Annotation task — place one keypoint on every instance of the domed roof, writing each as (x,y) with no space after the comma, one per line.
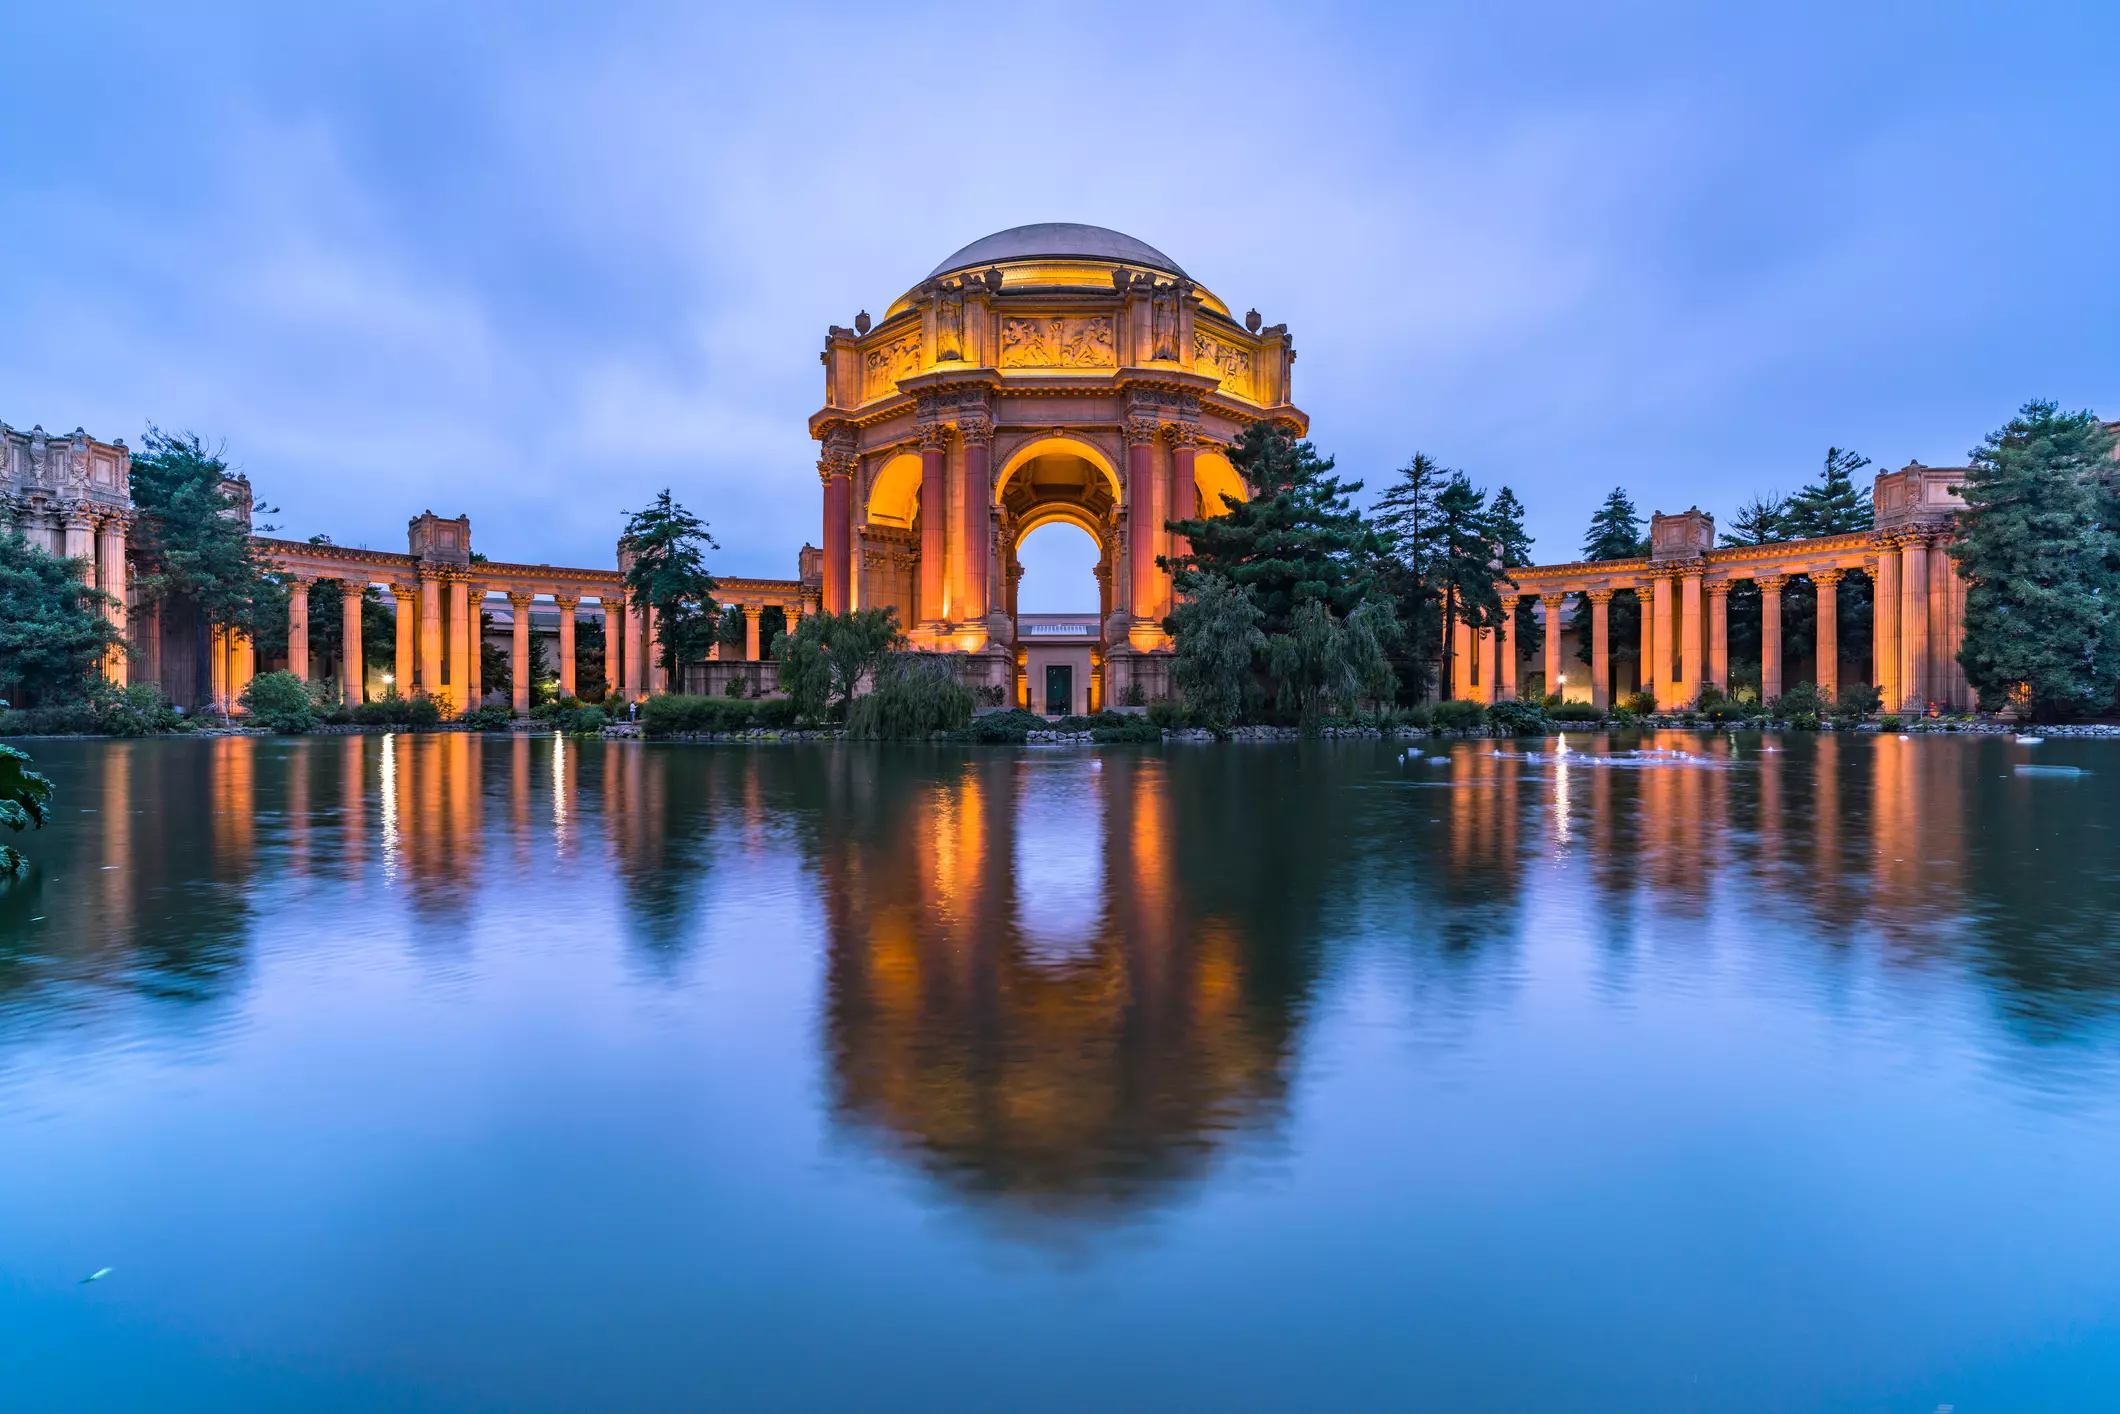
(1058,240)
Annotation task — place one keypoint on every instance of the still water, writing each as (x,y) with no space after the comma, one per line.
(459,1073)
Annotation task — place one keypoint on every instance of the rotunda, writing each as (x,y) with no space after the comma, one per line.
(1046,372)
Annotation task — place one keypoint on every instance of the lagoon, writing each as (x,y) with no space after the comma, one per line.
(447,1072)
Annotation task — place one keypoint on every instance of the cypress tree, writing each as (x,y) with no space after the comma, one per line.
(2040,546)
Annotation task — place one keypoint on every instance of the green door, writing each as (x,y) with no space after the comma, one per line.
(1059,689)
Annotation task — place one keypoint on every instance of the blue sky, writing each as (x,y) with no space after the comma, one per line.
(534,263)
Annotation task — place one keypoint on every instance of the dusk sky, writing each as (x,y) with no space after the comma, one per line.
(534,264)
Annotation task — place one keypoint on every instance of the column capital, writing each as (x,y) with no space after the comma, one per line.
(1718,589)
(1142,430)
(1183,435)
(405,593)
(1510,601)
(934,436)
(1770,583)
(752,611)
(1600,596)
(1694,569)
(1553,602)
(301,581)
(1827,576)
(977,429)
(521,598)
(566,602)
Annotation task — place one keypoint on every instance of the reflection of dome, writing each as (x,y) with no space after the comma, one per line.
(1057,240)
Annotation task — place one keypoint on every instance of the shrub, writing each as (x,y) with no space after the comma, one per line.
(736,687)
(1119,727)
(1458,715)
(1640,704)
(25,801)
(1575,712)
(777,713)
(990,694)
(487,719)
(1002,728)
(1075,724)
(424,710)
(1420,716)
(585,720)
(1858,700)
(668,713)
(1802,705)
(1890,722)
(1165,715)
(1518,718)
(281,701)
(916,695)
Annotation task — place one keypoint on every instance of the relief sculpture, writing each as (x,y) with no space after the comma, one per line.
(1231,365)
(1058,343)
(885,366)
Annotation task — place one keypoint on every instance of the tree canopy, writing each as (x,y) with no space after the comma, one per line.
(53,636)
(191,537)
(668,573)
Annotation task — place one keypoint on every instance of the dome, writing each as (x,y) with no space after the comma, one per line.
(1061,240)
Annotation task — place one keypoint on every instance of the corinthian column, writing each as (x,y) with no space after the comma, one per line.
(431,590)
(568,603)
(1505,685)
(1600,647)
(1770,586)
(836,468)
(1914,624)
(934,521)
(298,626)
(1690,661)
(1828,670)
(1553,603)
(408,620)
(519,652)
(475,659)
(1141,433)
(110,578)
(1185,494)
(1885,634)
(353,667)
(1645,669)
(976,531)
(1666,690)
(753,651)
(1719,635)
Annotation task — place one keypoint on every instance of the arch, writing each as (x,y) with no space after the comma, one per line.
(895,490)
(1215,478)
(1058,558)
(1044,515)
(1056,445)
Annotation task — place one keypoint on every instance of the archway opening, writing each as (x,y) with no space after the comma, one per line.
(1059,560)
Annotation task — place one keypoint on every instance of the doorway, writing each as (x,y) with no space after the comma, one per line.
(1059,689)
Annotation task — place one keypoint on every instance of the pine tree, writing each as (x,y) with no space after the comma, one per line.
(53,635)
(1513,544)
(1297,537)
(189,544)
(2040,547)
(1465,571)
(668,573)
(1763,520)
(1406,521)
(1615,533)
(1832,505)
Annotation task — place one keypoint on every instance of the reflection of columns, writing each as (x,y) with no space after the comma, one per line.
(1141,519)
(110,578)
(1885,633)
(353,666)
(1690,657)
(836,466)
(1665,689)
(298,626)
(475,660)
(567,605)
(1828,669)
(430,635)
(934,519)
(1914,624)
(977,535)
(1719,634)
(1553,603)
(519,652)
(408,617)
(1600,647)
(1770,635)
(459,639)
(752,613)
(1505,687)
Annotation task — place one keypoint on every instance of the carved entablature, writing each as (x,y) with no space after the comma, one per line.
(1223,360)
(1058,341)
(1918,497)
(1685,536)
(436,541)
(883,367)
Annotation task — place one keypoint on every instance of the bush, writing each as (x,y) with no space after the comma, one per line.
(776,713)
(1168,716)
(1518,718)
(281,701)
(1858,700)
(1458,715)
(736,687)
(1003,728)
(669,713)
(1802,705)
(916,695)
(585,720)
(424,710)
(1890,722)
(1575,712)
(487,719)
(1640,704)
(1120,727)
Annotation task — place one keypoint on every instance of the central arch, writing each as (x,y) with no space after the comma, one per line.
(1059,445)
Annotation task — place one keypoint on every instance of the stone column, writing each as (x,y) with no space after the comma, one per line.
(1827,583)
(475,659)
(1691,661)
(1461,684)
(298,626)
(110,578)
(1185,496)
(752,648)
(1719,634)
(459,638)
(519,652)
(976,531)
(431,589)
(656,673)
(1770,587)
(1554,603)
(353,671)
(242,664)
(79,543)
(1943,652)
(836,467)
(1505,686)
(408,619)
(1885,634)
(1486,651)
(1141,435)
(636,660)
(1914,624)
(568,603)
(611,632)
(1665,688)
(217,668)
(1645,668)
(1600,648)
(934,520)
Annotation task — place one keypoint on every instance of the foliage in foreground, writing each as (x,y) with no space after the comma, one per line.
(824,661)
(281,701)
(25,801)
(916,695)
(671,714)
(53,636)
